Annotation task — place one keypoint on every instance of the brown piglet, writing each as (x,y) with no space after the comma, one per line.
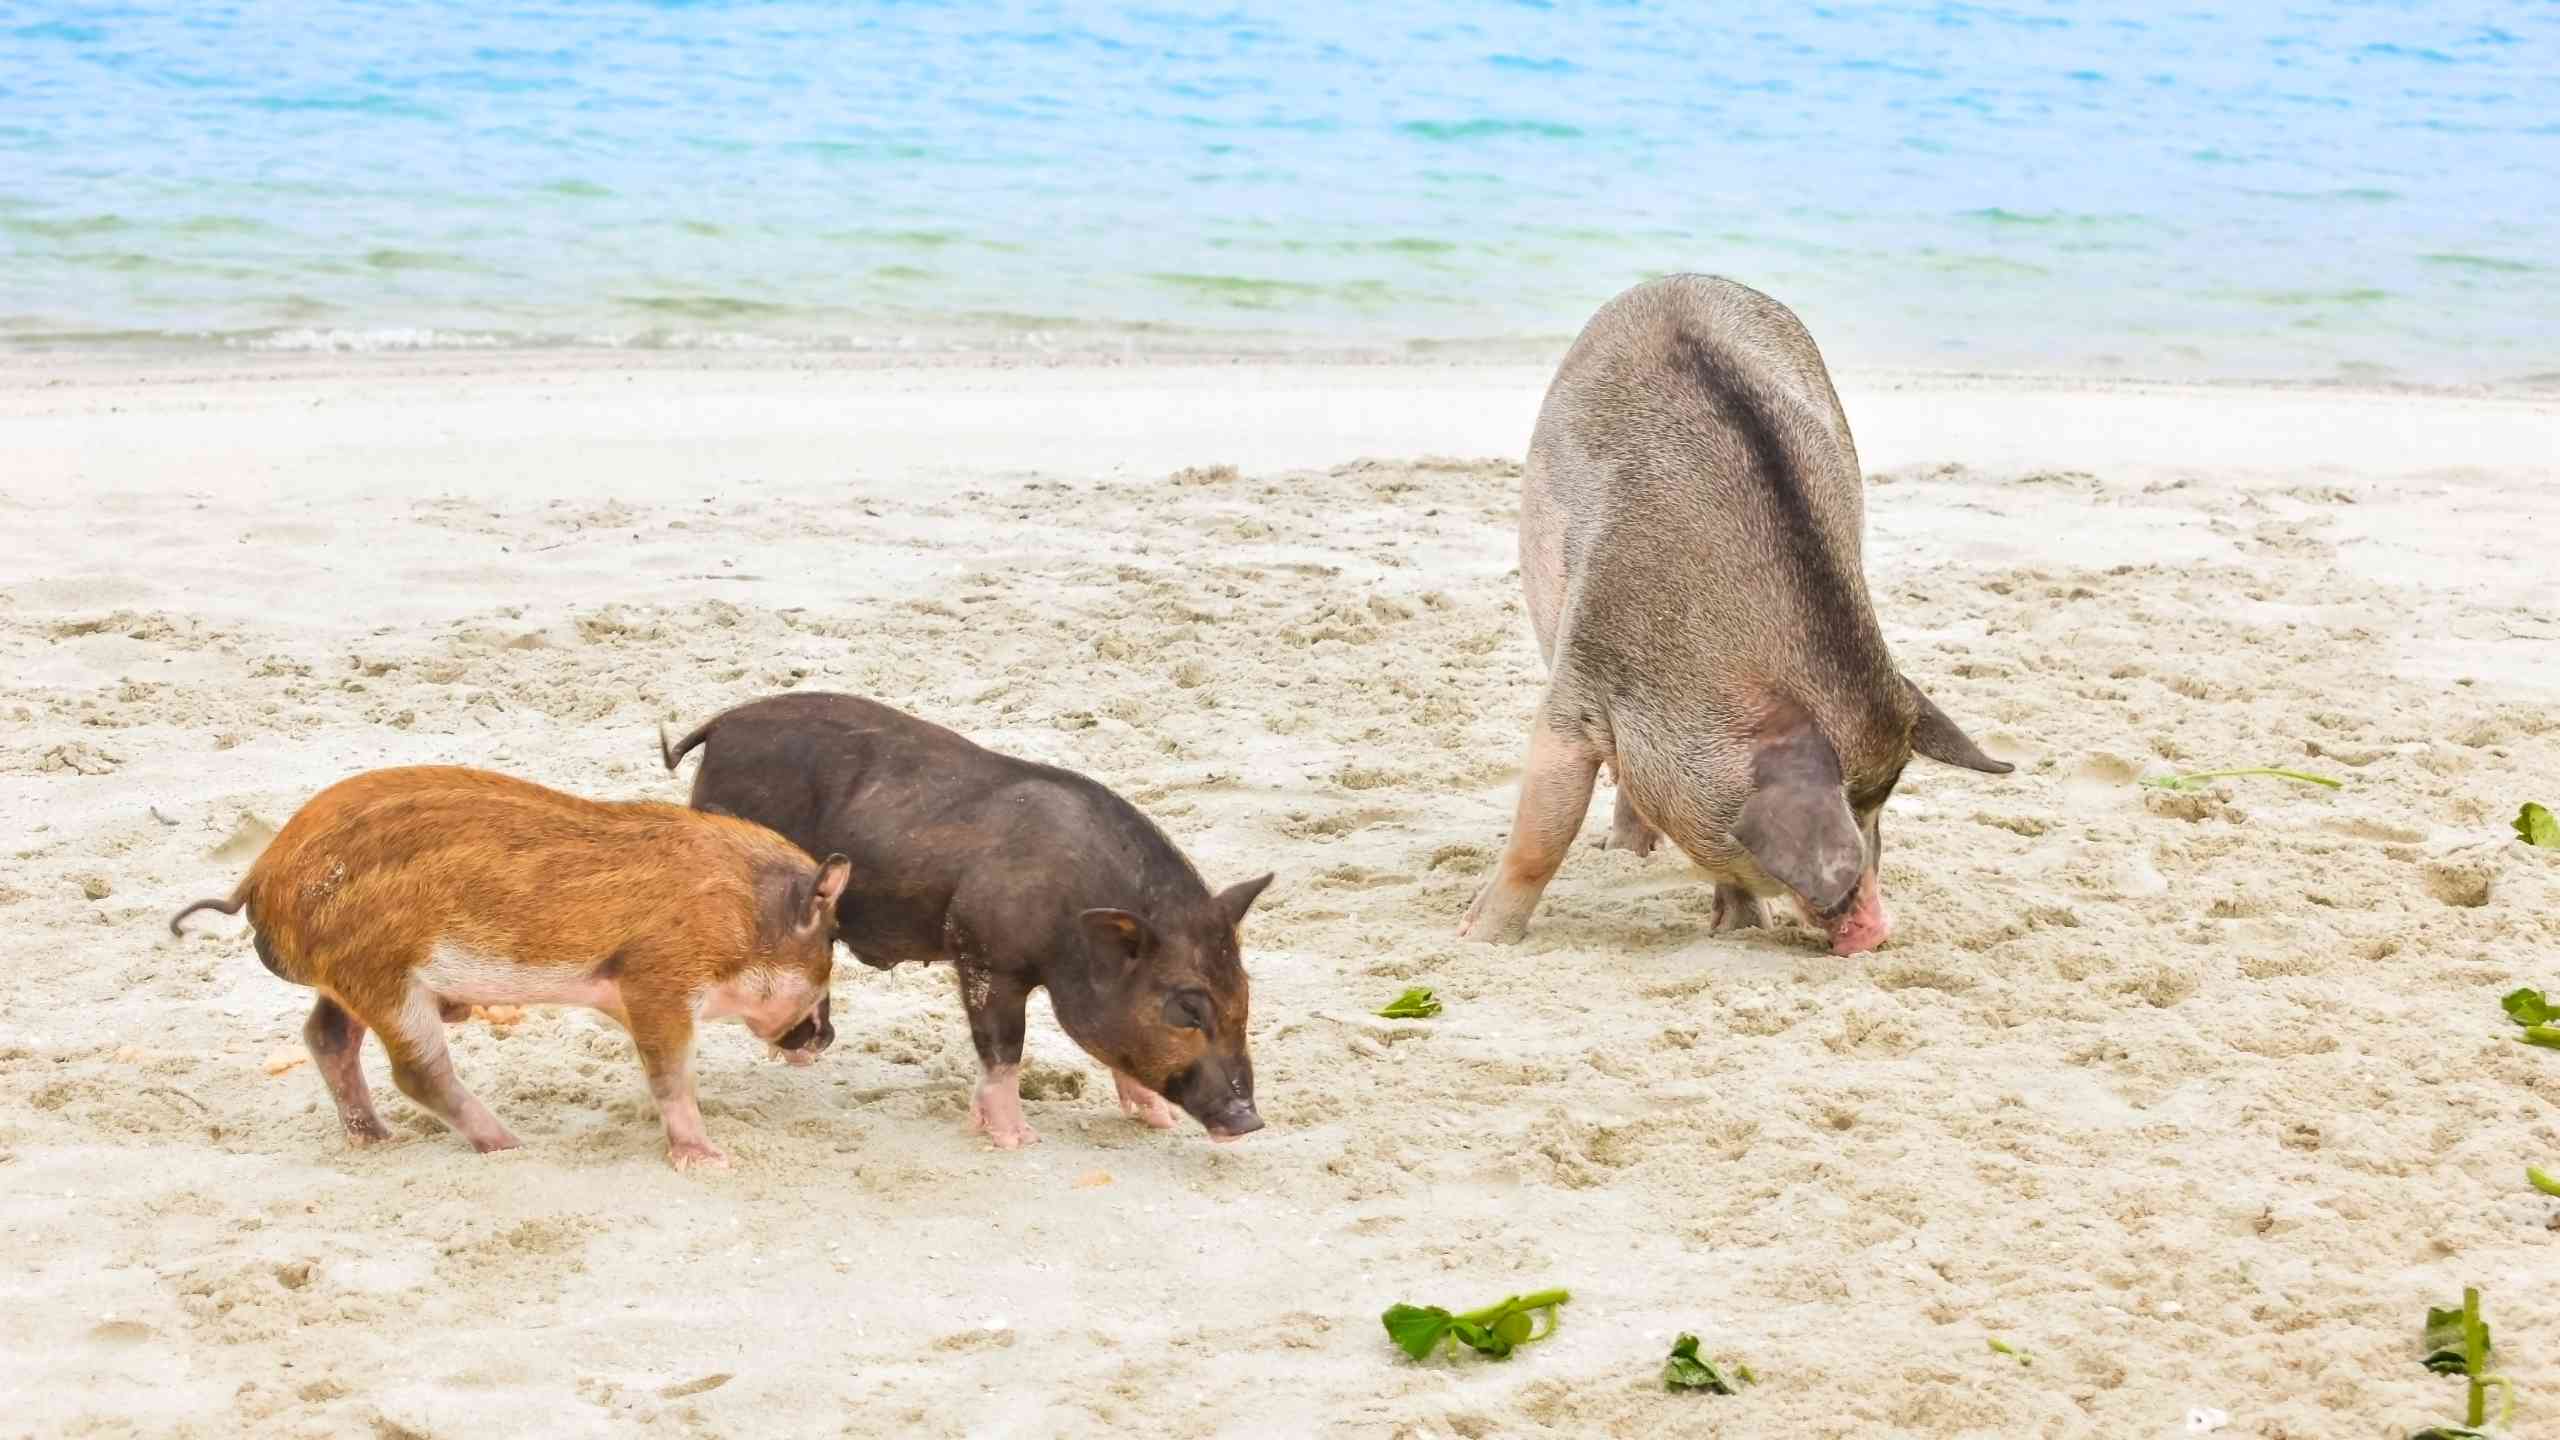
(407,896)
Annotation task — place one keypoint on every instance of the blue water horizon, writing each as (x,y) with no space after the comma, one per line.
(2327,190)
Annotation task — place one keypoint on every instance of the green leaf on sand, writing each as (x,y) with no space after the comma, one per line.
(2444,1342)
(1688,1370)
(2537,826)
(2199,779)
(2527,1007)
(2542,1180)
(1416,1327)
(1495,1330)
(1417,1003)
(2457,1343)
(2546,1036)
(2003,1347)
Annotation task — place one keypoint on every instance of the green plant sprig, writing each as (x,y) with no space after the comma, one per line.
(1495,1330)
(1417,1003)
(2198,779)
(2536,826)
(1688,1370)
(2525,1006)
(2457,1343)
(2539,1017)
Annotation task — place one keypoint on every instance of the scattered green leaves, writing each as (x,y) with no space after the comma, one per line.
(2546,1036)
(2003,1347)
(2199,779)
(1495,1330)
(2457,1343)
(2526,1006)
(1417,1003)
(1688,1370)
(2536,825)
(2542,1180)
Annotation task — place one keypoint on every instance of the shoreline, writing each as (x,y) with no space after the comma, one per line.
(561,424)
(24,366)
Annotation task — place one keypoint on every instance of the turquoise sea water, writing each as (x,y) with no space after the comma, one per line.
(2299,189)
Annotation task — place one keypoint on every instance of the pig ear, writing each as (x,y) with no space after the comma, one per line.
(1797,823)
(1118,941)
(1239,897)
(1942,740)
(833,876)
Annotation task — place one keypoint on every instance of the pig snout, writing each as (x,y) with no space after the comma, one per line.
(1233,1123)
(1222,1101)
(1864,923)
(806,1041)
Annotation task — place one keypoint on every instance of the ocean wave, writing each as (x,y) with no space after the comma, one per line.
(396,339)
(71,227)
(1489,129)
(1248,292)
(2494,263)
(369,342)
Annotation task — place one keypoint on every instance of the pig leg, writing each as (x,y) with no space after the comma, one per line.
(423,1069)
(1555,794)
(1736,909)
(995,1004)
(336,1039)
(1142,1104)
(1627,830)
(663,1034)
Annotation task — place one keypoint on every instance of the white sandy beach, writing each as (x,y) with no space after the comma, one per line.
(2200,1099)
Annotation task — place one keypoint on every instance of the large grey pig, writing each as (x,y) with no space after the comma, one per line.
(1689,542)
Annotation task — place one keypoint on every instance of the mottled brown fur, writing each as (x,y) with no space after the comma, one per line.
(396,892)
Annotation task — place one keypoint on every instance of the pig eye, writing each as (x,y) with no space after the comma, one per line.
(1187,1010)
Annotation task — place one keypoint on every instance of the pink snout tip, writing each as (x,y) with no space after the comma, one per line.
(1866,924)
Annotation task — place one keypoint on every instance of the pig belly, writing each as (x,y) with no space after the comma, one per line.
(470,977)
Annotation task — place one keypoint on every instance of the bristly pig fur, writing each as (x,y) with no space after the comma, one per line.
(406,896)
(1691,548)
(1022,876)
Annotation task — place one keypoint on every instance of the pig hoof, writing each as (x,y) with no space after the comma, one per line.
(999,1118)
(1009,1137)
(365,1134)
(697,1157)
(1638,841)
(1490,922)
(1142,1104)
(1737,909)
(492,1144)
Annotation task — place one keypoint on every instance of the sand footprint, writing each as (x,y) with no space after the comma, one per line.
(2097,774)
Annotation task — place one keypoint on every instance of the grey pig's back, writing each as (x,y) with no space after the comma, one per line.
(1710,509)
